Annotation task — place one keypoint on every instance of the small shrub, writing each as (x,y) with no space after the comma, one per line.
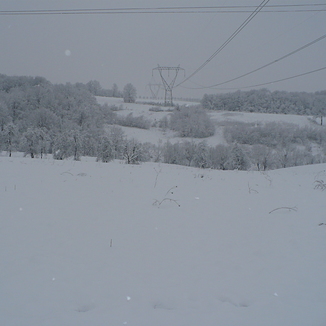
(320,184)
(156,109)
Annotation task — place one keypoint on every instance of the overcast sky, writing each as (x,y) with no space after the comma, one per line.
(123,48)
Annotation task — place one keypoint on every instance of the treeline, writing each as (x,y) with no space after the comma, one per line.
(38,117)
(94,87)
(236,156)
(231,156)
(265,101)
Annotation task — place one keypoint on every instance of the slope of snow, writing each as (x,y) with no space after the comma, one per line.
(154,135)
(86,243)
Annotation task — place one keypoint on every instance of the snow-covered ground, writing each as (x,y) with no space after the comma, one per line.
(87,243)
(154,135)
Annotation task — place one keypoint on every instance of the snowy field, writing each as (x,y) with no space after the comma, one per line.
(86,243)
(220,118)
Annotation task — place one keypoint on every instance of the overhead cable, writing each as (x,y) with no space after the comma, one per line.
(237,31)
(264,66)
(274,81)
(171,10)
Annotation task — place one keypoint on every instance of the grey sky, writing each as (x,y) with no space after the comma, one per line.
(125,48)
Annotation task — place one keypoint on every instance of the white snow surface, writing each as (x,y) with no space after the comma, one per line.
(87,243)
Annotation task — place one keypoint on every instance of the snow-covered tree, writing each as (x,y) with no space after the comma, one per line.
(77,143)
(94,87)
(43,118)
(201,156)
(189,150)
(105,150)
(29,143)
(4,115)
(238,160)
(90,143)
(157,152)
(117,138)
(10,137)
(191,122)
(163,123)
(15,102)
(147,152)
(261,156)
(44,141)
(63,146)
(129,93)
(115,91)
(173,153)
(319,109)
(283,155)
(218,156)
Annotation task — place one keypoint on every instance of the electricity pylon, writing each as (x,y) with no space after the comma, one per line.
(168,83)
(154,88)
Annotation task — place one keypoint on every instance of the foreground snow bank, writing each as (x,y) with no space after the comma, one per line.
(86,243)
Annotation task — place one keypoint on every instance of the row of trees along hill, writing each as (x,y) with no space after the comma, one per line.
(39,117)
(265,101)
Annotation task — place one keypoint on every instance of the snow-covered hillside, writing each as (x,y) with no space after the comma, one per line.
(154,135)
(86,243)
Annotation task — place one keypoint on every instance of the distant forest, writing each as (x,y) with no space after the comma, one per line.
(265,101)
(7,83)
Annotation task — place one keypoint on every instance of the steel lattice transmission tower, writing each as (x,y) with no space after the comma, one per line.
(168,82)
(154,88)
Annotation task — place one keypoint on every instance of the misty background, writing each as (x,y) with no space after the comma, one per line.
(124,48)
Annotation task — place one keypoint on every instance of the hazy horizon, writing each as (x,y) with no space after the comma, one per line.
(123,48)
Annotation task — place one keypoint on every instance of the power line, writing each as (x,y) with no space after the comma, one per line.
(264,66)
(263,8)
(238,30)
(275,81)
(171,10)
(110,12)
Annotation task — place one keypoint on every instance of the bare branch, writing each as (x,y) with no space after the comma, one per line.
(288,208)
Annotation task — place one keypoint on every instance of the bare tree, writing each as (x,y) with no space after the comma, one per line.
(132,151)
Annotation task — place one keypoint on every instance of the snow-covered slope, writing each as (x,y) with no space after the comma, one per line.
(154,135)
(86,243)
